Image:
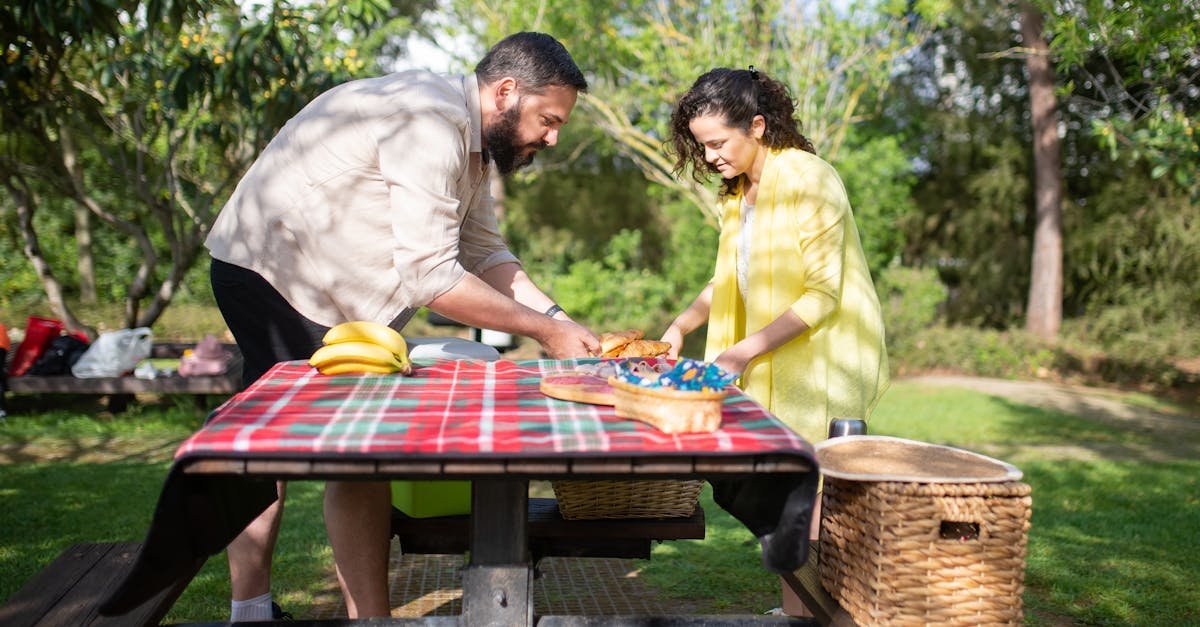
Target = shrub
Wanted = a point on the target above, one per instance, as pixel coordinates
(618, 291)
(911, 299)
(1008, 354)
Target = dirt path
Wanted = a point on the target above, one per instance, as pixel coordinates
(1156, 434)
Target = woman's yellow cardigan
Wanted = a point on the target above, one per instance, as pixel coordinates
(806, 256)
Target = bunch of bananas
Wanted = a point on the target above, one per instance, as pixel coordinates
(362, 346)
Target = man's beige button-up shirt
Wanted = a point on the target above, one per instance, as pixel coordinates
(370, 202)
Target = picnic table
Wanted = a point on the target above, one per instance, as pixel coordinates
(483, 421)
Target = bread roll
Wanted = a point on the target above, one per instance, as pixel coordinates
(645, 348)
(611, 344)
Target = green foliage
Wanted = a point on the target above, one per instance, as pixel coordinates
(581, 198)
(618, 291)
(974, 227)
(1015, 354)
(642, 56)
(911, 300)
(1133, 264)
(877, 173)
(1128, 224)
(984, 352)
(1132, 70)
(612, 248)
(149, 122)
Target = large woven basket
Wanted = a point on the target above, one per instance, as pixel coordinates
(583, 500)
(897, 553)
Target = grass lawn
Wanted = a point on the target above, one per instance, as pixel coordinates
(1113, 538)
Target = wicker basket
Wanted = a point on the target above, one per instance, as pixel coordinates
(584, 500)
(669, 410)
(895, 553)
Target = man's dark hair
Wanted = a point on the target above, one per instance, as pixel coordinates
(536, 60)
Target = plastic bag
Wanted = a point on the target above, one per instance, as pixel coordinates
(207, 359)
(114, 354)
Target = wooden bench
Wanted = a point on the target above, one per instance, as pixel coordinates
(551, 535)
(70, 590)
(805, 584)
(120, 390)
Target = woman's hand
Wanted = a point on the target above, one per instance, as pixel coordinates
(674, 337)
(736, 359)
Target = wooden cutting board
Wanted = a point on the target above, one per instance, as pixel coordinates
(578, 387)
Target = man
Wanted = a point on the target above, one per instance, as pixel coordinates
(372, 202)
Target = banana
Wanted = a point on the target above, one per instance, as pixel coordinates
(367, 331)
(354, 352)
(350, 367)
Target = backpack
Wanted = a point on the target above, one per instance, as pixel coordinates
(60, 354)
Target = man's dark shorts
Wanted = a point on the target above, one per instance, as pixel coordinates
(266, 328)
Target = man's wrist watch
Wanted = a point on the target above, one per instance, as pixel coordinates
(554, 309)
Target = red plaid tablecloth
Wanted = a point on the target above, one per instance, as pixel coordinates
(456, 409)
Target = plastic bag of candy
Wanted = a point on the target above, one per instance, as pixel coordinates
(687, 375)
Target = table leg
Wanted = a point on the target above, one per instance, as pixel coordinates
(498, 580)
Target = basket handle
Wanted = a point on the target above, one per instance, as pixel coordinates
(960, 520)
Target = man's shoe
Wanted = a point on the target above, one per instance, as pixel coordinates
(277, 612)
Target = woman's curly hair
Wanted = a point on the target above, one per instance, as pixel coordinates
(737, 96)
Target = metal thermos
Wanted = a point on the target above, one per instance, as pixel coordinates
(847, 426)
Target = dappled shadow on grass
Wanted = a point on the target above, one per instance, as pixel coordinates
(51, 506)
(1114, 543)
(86, 449)
(1066, 435)
(721, 574)
(76, 431)
(1032, 421)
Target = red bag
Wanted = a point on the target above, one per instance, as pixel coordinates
(38, 333)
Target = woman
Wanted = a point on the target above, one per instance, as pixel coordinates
(791, 306)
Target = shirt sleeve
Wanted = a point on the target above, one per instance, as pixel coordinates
(481, 247)
(821, 218)
(422, 155)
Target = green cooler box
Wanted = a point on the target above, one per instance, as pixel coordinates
(425, 499)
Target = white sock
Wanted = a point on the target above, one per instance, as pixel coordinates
(258, 608)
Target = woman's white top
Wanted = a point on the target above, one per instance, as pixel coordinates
(743, 262)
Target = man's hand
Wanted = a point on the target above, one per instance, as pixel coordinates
(567, 339)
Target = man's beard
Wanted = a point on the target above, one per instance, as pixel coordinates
(501, 140)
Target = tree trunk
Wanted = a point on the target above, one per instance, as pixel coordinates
(1043, 317)
(25, 203)
(84, 264)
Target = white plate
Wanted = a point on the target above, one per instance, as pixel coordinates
(442, 348)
